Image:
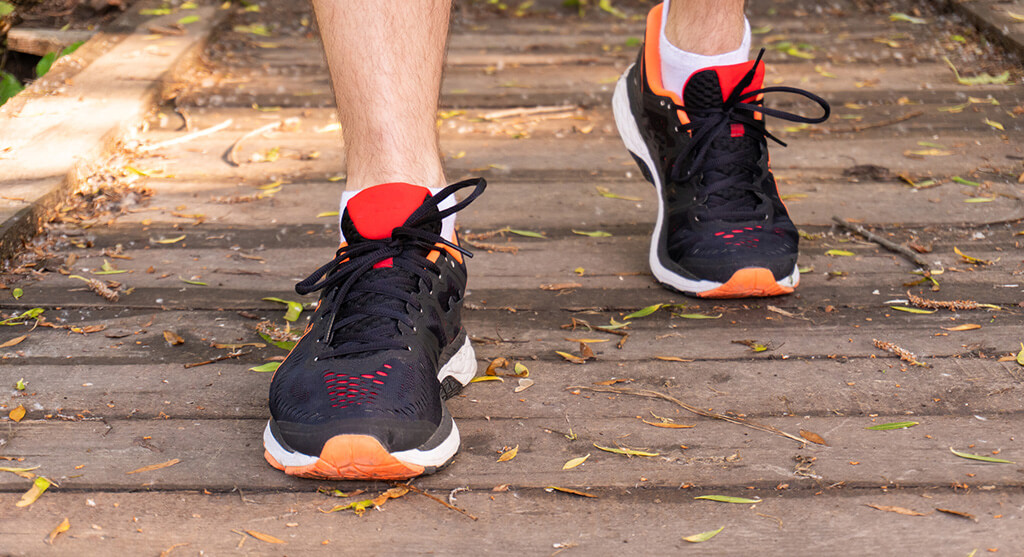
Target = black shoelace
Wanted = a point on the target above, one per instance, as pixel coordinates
(725, 193)
(390, 289)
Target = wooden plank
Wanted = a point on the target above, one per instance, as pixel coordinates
(843, 386)
(220, 455)
(642, 520)
(43, 41)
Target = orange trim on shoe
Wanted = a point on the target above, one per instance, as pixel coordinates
(652, 62)
(752, 282)
(352, 457)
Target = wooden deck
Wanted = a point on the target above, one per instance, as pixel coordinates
(107, 394)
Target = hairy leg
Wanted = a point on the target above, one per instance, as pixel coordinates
(705, 27)
(385, 59)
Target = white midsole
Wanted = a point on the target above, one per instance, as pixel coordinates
(461, 366)
(630, 134)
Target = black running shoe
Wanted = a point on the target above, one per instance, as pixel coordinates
(722, 230)
(360, 395)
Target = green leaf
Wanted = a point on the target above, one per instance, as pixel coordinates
(294, 308)
(979, 200)
(728, 499)
(269, 366)
(22, 317)
(594, 234)
(9, 86)
(255, 29)
(1020, 355)
(965, 182)
(913, 310)
(527, 233)
(195, 282)
(20, 385)
(892, 425)
(71, 48)
(45, 63)
(327, 214)
(6, 9)
(155, 11)
(282, 344)
(643, 312)
(839, 253)
(899, 16)
(17, 293)
(980, 79)
(980, 457)
(703, 536)
(108, 269)
(632, 42)
(188, 19)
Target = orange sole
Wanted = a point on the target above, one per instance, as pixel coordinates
(352, 457)
(754, 282)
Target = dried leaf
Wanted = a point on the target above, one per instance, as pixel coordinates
(64, 526)
(496, 363)
(968, 516)
(980, 79)
(892, 425)
(526, 233)
(913, 310)
(22, 472)
(39, 486)
(813, 437)
(969, 259)
(594, 234)
(17, 414)
(560, 286)
(172, 338)
(899, 16)
(703, 536)
(897, 510)
(327, 214)
(509, 454)
(520, 370)
(626, 451)
(152, 467)
(570, 491)
(994, 124)
(839, 253)
(524, 384)
(571, 357)
(964, 327)
(263, 537)
(14, 341)
(728, 499)
(605, 192)
(643, 312)
(269, 366)
(483, 378)
(1020, 355)
(169, 240)
(612, 382)
(671, 359)
(982, 458)
(575, 462)
(667, 425)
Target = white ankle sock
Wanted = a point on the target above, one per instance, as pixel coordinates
(677, 65)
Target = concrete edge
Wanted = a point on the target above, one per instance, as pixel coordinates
(992, 21)
(28, 221)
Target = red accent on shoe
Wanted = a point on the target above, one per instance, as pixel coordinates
(736, 130)
(377, 211)
(389, 262)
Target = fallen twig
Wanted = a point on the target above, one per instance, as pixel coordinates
(232, 153)
(443, 502)
(891, 121)
(647, 393)
(955, 305)
(507, 113)
(187, 137)
(885, 243)
(217, 359)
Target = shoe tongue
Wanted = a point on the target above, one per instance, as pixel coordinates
(710, 87)
(373, 213)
